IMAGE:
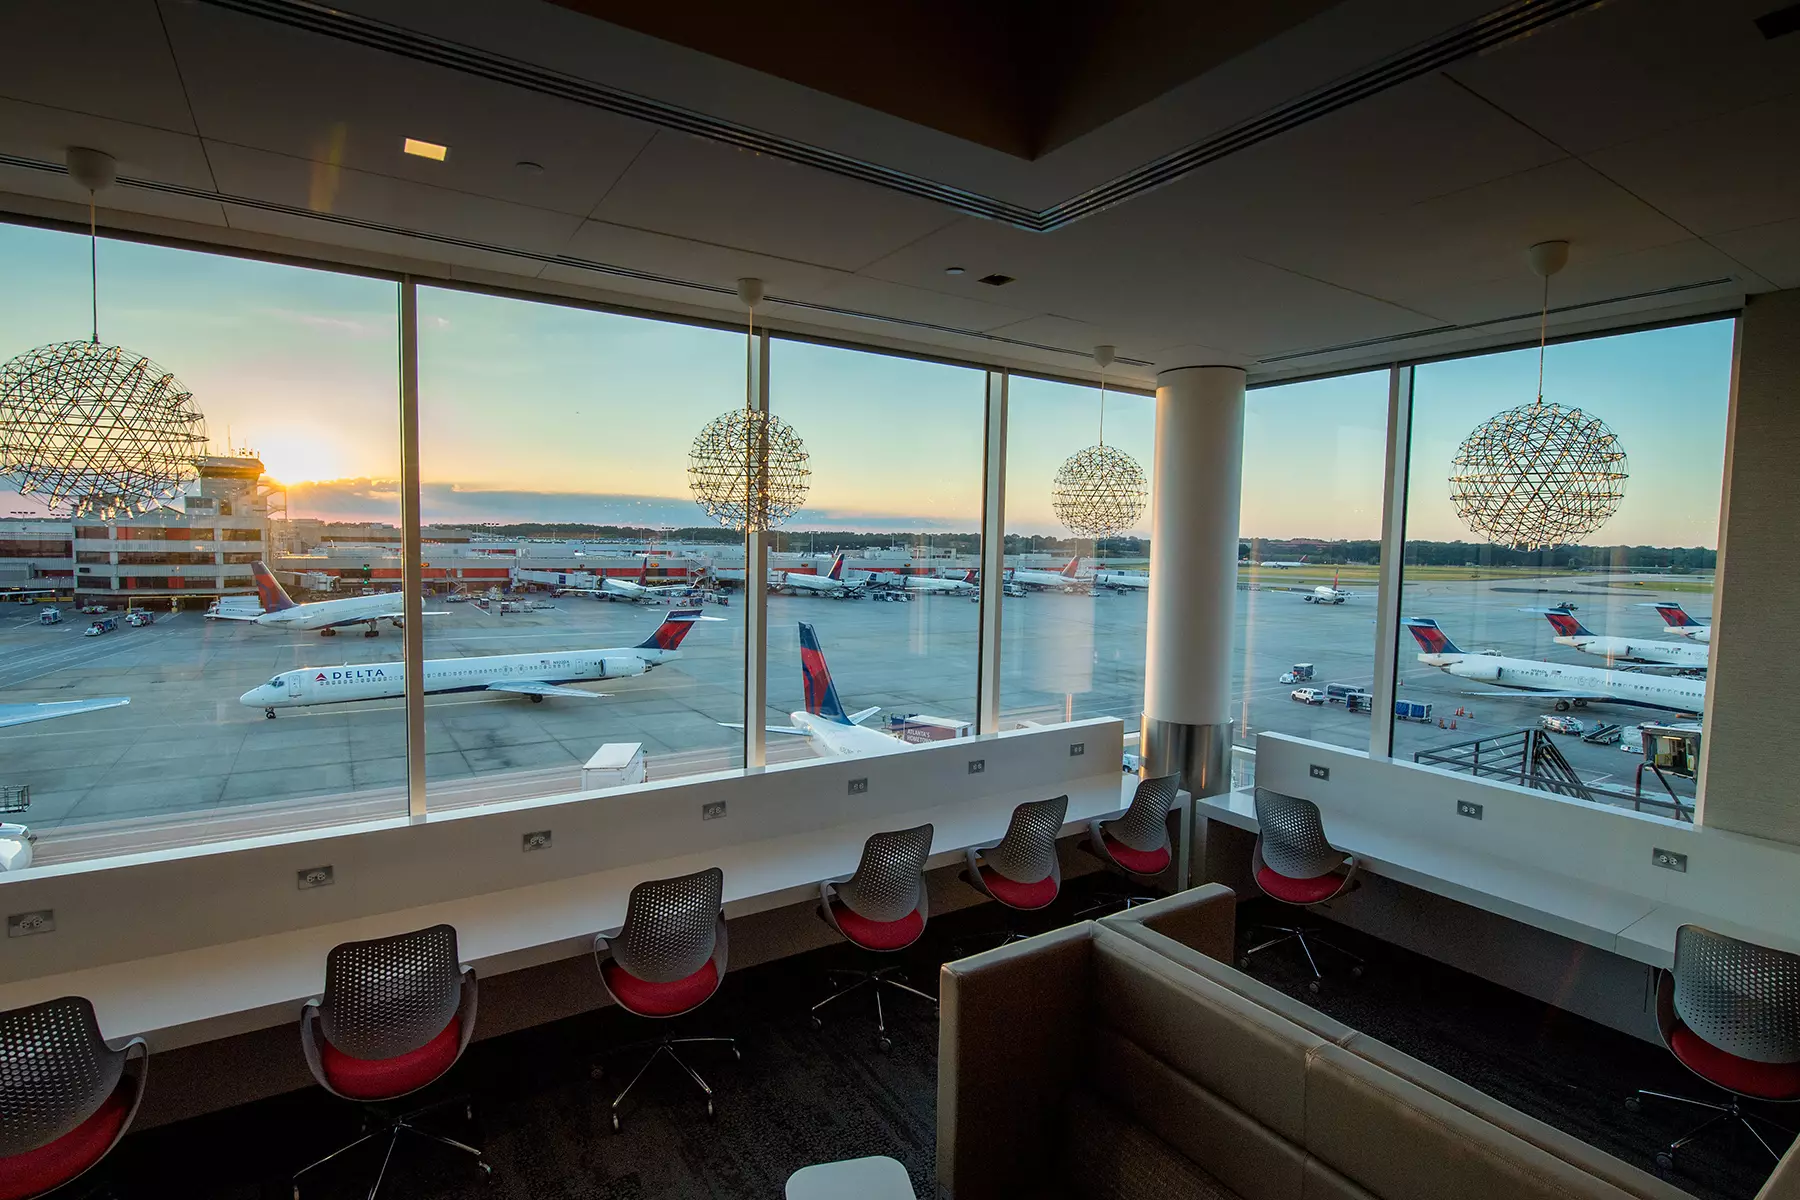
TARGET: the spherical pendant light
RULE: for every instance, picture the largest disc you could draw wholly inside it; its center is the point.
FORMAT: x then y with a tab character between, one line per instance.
1100	491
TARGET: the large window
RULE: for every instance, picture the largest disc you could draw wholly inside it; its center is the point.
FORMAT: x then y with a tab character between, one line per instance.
1546	663
572	580
1310	515
1073	627
881	562
296	372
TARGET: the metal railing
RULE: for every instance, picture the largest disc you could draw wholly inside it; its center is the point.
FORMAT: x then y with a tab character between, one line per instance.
1530	758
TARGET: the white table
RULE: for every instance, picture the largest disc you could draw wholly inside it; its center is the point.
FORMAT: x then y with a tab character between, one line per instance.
877	1178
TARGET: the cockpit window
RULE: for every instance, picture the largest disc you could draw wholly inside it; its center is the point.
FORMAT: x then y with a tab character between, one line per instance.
278	681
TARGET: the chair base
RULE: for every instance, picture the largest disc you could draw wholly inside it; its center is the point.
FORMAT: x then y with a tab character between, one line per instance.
1730	1112
393	1128
874	980
658	1049
1308	939
1114	902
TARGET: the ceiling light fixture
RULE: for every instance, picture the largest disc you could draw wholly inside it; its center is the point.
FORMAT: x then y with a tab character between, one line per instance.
527	167
995	280
1099	492
419	149
953	270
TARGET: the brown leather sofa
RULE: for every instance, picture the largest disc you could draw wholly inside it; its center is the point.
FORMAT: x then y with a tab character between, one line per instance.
1124	1059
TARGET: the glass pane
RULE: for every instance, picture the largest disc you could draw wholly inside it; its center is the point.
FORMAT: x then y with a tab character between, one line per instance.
880	562
1073	627
1315	457
566	566
296	373
1551	664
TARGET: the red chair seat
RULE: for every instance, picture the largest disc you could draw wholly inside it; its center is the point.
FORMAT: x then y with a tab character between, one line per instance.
648	999
1298	891
55	1163
1019	895
878	935
1765	1081
385	1078
1138	862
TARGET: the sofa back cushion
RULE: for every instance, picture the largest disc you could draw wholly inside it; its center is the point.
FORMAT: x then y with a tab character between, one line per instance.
1108	1156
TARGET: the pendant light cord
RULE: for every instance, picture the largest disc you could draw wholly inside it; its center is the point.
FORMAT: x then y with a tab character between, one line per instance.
1543	336
94	267
1103	406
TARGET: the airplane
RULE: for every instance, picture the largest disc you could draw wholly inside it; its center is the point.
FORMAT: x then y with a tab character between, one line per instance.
832	732
326	616
1283	566
1065	580
832	583
636	590
1322	594
533	675
1677	621
1565	685
966	586
1572	633
1122	581
25	714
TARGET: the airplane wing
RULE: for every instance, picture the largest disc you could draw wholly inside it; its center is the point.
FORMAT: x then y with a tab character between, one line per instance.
858	718
231	616
24	714
771	728
1596	697
531	687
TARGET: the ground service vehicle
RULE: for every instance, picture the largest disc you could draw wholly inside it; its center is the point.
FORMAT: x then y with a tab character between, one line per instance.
1554	723
50	616
1412	710
103	625
1307	695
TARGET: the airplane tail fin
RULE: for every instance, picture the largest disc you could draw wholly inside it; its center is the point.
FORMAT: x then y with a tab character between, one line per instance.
837	568
1566	623
1675	616
1068	572
971	576
1431	639
821	693
674	627
644	572
268	588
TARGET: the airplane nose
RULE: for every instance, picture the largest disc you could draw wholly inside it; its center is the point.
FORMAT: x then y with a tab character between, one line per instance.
256	697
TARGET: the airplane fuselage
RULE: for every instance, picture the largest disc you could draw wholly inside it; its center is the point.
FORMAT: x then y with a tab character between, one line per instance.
1623	687
308	686
1121	581
346	611
834	739
1618	649
936	583
1694	633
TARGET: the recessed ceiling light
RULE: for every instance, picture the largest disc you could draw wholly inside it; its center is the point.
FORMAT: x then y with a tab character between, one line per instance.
527	167
953	270
431	150
995	280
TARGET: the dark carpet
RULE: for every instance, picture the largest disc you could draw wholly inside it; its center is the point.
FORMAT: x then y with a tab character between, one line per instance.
802	1096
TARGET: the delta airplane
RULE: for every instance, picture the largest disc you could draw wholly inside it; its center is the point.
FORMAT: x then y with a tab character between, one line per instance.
832	583
832	732
1572	633
1322	594
533	675
1123	581
326	616
1065	580
1676	621
1565	685
1283	566
25	714
636	590
965	586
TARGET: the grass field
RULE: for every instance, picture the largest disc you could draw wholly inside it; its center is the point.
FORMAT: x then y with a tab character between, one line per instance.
1368	574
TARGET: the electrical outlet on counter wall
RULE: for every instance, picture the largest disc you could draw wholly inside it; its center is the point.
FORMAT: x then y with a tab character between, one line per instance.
1319	772
712	811
859	787
313	877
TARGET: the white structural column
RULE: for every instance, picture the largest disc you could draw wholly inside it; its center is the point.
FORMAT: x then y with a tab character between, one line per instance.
412	552
756	564
1195	482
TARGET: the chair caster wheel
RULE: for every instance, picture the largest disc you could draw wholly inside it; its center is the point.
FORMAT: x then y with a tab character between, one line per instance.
469	1113
615	1122
1244	963
710	1110
487	1171
1315	987
1634	1103
884	1043
817	1023
1356	972
1665	1161
737	1055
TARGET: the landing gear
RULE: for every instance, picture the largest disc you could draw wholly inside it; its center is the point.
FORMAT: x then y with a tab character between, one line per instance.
372	631
1562	706
537	699
328	632
268	714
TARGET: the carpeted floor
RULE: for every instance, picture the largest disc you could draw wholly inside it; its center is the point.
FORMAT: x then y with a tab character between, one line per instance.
801	1096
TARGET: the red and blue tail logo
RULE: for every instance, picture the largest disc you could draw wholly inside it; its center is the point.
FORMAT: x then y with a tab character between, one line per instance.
674	627
1068	572
1431	639
815	678
1566	623
1675	616
972	577
837	568
268	588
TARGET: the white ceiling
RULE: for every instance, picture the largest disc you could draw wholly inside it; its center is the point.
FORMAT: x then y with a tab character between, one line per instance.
1655	135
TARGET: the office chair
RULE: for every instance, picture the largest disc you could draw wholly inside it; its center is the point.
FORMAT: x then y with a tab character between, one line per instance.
1021	871
1730	1012
1136	843
397	1014
67	1095
667	960
881	908
1293	863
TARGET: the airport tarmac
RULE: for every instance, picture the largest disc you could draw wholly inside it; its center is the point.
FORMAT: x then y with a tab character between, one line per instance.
186	745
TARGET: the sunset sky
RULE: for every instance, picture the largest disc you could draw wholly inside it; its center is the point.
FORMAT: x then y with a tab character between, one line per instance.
533	412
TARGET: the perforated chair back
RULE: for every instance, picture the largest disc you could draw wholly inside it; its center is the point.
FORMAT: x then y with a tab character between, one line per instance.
671	926
1028	851
55	1071
1145	825
389	996
1292	839
1740	997
890	880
